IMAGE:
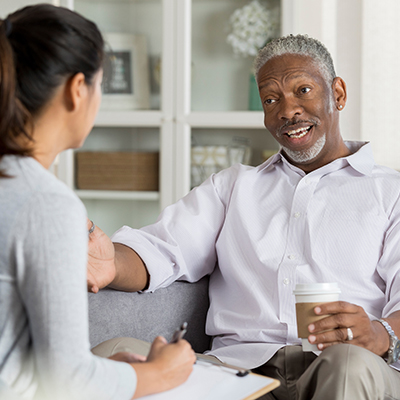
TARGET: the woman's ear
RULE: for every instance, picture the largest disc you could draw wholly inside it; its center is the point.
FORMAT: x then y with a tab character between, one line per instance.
76	91
339	92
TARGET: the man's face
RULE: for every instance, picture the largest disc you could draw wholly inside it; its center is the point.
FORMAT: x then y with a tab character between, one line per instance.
300	110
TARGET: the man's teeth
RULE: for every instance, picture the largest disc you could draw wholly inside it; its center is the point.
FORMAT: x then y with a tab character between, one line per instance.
299	133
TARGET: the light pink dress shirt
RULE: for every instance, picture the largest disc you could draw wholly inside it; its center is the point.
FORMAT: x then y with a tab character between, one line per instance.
260	230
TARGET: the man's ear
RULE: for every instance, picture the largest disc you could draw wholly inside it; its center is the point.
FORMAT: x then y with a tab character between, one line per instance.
75	91
339	92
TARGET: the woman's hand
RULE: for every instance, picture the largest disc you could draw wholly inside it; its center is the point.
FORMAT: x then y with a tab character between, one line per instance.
167	366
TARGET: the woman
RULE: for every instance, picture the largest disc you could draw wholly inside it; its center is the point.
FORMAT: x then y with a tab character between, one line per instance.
50	91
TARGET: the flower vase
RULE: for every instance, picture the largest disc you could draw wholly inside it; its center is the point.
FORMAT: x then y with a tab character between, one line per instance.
254	96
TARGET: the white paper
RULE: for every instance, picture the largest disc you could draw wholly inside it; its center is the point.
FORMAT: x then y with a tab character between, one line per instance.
210	382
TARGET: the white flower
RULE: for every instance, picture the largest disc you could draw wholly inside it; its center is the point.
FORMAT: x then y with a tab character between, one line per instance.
252	26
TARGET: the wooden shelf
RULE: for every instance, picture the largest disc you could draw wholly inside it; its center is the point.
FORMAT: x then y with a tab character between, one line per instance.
117	195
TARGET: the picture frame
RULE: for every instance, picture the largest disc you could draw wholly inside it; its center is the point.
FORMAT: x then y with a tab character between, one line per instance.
126	84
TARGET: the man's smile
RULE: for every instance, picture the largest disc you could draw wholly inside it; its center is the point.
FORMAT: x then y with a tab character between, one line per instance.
299	133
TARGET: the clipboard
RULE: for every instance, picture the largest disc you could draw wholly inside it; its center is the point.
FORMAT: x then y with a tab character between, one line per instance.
209	381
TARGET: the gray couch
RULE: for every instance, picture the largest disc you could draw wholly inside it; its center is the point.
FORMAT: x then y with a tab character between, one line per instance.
146	315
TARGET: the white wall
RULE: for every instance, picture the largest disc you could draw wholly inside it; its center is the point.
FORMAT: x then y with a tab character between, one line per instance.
380	89
348	63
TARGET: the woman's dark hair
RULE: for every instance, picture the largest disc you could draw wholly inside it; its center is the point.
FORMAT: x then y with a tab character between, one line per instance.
41	47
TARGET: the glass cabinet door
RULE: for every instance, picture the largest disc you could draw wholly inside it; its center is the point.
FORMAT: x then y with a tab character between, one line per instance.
121	171
226	35
132	28
218	106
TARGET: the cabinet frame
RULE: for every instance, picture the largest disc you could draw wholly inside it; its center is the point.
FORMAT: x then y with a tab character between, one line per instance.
175	120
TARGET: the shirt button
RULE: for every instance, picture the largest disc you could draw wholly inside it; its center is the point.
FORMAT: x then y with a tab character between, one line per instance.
286	281
291	257
297	215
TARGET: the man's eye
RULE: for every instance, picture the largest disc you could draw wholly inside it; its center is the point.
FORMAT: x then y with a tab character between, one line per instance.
269	101
305	90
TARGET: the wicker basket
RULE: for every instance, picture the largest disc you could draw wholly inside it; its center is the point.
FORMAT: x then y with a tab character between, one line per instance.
117	171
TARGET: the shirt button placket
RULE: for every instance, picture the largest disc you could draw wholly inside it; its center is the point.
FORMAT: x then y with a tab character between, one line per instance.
286	281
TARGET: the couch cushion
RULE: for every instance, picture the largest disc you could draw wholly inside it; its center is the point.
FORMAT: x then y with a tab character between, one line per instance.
145	315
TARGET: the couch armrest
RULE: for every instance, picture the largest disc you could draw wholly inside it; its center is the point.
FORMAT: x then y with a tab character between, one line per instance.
145	315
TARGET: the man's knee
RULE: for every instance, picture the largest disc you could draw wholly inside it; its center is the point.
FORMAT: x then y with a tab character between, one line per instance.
349	358
342	370
352	362
113	346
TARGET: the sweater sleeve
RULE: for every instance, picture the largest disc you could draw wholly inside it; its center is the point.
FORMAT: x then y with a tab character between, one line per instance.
50	253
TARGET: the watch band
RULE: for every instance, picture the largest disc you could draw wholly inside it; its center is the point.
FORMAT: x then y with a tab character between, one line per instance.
393	341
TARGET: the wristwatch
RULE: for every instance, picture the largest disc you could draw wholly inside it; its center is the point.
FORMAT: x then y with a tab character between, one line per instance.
394	347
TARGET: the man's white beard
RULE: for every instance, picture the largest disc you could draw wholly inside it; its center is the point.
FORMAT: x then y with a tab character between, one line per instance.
304	156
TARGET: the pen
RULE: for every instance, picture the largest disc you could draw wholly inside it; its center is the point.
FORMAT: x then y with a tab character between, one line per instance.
179	333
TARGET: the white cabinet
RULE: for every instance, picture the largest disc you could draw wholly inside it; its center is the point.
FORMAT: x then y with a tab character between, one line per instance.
213	86
202	99
130	130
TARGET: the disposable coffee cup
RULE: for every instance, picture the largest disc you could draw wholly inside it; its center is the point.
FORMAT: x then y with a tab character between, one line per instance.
308	296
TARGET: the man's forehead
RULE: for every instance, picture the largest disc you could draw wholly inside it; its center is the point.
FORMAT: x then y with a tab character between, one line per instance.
292	66
300	61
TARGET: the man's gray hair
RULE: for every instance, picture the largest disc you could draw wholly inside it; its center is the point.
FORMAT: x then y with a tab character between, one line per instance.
301	45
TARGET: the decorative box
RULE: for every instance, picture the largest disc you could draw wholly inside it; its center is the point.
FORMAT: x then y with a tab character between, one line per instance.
117	170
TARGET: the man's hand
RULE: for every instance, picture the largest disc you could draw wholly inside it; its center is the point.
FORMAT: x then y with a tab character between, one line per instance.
101	267
342	315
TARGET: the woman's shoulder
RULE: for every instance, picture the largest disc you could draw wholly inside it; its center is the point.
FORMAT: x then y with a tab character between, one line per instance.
28	176
32	186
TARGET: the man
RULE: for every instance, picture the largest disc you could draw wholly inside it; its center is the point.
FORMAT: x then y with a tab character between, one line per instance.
319	211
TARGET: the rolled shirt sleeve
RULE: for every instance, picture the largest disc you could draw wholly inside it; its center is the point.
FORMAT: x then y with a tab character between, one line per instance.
181	244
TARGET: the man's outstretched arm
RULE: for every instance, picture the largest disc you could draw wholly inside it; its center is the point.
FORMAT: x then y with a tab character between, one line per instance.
131	274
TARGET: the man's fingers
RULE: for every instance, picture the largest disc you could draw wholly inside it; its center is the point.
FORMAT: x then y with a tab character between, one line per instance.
330	338
338	315
336	307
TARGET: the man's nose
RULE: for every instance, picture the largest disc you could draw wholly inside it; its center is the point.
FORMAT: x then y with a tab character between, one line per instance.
289	108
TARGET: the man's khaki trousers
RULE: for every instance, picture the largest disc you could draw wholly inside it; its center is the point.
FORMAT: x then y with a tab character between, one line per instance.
340	372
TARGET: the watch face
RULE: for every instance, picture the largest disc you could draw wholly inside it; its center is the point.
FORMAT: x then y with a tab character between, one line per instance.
396	351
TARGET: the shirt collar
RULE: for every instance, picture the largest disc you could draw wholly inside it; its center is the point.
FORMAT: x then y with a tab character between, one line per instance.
269	164
361	158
